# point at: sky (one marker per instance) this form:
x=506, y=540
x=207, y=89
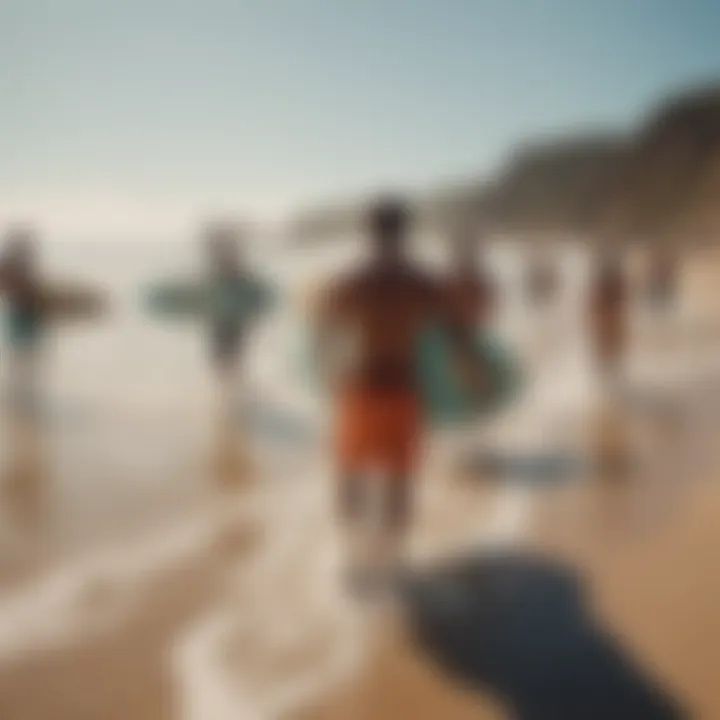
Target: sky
x=136, y=117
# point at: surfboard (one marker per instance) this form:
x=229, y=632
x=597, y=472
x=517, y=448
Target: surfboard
x=201, y=300
x=68, y=301
x=54, y=303
x=64, y=300
x=453, y=390
x=458, y=389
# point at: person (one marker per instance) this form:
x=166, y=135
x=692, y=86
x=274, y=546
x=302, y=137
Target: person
x=609, y=298
x=228, y=326
x=663, y=277
x=542, y=281
x=609, y=331
x=376, y=313
x=225, y=268
x=20, y=286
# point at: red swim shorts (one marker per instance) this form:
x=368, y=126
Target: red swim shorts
x=378, y=429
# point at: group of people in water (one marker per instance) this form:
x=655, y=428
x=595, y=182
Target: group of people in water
x=382, y=305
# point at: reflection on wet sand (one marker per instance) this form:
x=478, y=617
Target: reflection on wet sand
x=231, y=465
x=116, y=613
x=24, y=497
x=24, y=476
x=613, y=449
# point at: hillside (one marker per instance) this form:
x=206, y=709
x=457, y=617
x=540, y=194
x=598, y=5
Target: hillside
x=661, y=179
x=671, y=181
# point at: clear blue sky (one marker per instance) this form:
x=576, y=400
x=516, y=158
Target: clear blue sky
x=150, y=111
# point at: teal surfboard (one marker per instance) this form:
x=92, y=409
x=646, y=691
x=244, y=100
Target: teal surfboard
x=454, y=389
x=23, y=328
x=458, y=389
x=190, y=300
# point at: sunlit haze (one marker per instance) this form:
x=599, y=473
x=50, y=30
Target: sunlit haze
x=132, y=118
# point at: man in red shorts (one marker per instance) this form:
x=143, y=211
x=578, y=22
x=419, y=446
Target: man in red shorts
x=380, y=308
x=609, y=317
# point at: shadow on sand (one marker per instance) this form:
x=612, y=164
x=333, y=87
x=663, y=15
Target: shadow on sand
x=519, y=627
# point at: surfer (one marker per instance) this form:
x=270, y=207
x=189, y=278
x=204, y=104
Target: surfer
x=226, y=298
x=229, y=324
x=663, y=278
x=19, y=285
x=380, y=309
x=225, y=269
x=609, y=331
x=609, y=315
x=542, y=281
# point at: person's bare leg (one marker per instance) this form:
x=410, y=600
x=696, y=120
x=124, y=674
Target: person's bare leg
x=224, y=384
x=24, y=380
x=352, y=512
x=394, y=528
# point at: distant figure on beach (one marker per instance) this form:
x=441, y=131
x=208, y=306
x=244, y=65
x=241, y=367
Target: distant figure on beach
x=226, y=298
x=609, y=337
x=540, y=287
x=542, y=279
x=33, y=305
x=608, y=315
x=380, y=309
x=226, y=268
x=663, y=278
x=24, y=323
x=239, y=297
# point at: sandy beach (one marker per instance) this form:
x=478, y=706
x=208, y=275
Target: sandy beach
x=156, y=564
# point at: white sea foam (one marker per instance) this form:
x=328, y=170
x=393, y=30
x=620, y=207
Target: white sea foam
x=98, y=590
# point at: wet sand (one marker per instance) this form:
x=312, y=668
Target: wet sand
x=642, y=546
x=119, y=674
x=648, y=574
